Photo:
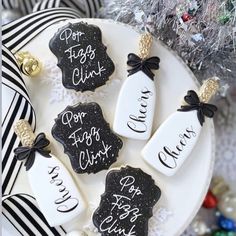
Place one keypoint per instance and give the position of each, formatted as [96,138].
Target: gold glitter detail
[28,64]
[24,132]
[208,89]
[20,56]
[145,44]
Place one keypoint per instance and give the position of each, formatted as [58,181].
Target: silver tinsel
[202,32]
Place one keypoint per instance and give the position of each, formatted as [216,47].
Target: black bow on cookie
[203,109]
[145,65]
[28,153]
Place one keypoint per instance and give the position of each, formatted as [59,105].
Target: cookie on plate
[127,203]
[82,56]
[86,137]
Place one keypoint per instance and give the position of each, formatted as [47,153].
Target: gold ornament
[218,186]
[28,64]
[199,227]
[227,205]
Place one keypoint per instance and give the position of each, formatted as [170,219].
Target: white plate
[182,193]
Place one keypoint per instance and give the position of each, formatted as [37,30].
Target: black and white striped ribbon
[19,32]
[16,105]
[14,36]
[21,209]
[46,4]
[86,8]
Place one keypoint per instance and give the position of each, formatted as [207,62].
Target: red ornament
[186,17]
[210,200]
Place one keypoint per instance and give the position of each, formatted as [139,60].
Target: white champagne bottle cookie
[54,189]
[174,140]
[136,102]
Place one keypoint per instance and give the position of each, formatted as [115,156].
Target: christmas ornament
[210,200]
[225,202]
[186,17]
[200,227]
[226,224]
[53,187]
[174,140]
[227,205]
[223,233]
[136,102]
[218,186]
[28,64]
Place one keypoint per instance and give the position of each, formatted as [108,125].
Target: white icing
[69,33]
[128,210]
[89,158]
[83,55]
[114,228]
[69,116]
[135,107]
[172,143]
[128,181]
[123,203]
[80,75]
[87,136]
[80,57]
[55,191]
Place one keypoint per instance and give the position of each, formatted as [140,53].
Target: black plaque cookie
[81,56]
[127,203]
[86,137]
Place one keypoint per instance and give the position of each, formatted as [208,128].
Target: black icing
[86,137]
[28,153]
[127,203]
[194,103]
[145,65]
[80,55]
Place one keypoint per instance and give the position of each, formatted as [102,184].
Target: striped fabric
[19,32]
[10,4]
[86,8]
[18,107]
[22,211]
[46,4]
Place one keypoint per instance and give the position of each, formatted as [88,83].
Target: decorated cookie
[58,197]
[127,203]
[136,102]
[86,137]
[174,140]
[81,56]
